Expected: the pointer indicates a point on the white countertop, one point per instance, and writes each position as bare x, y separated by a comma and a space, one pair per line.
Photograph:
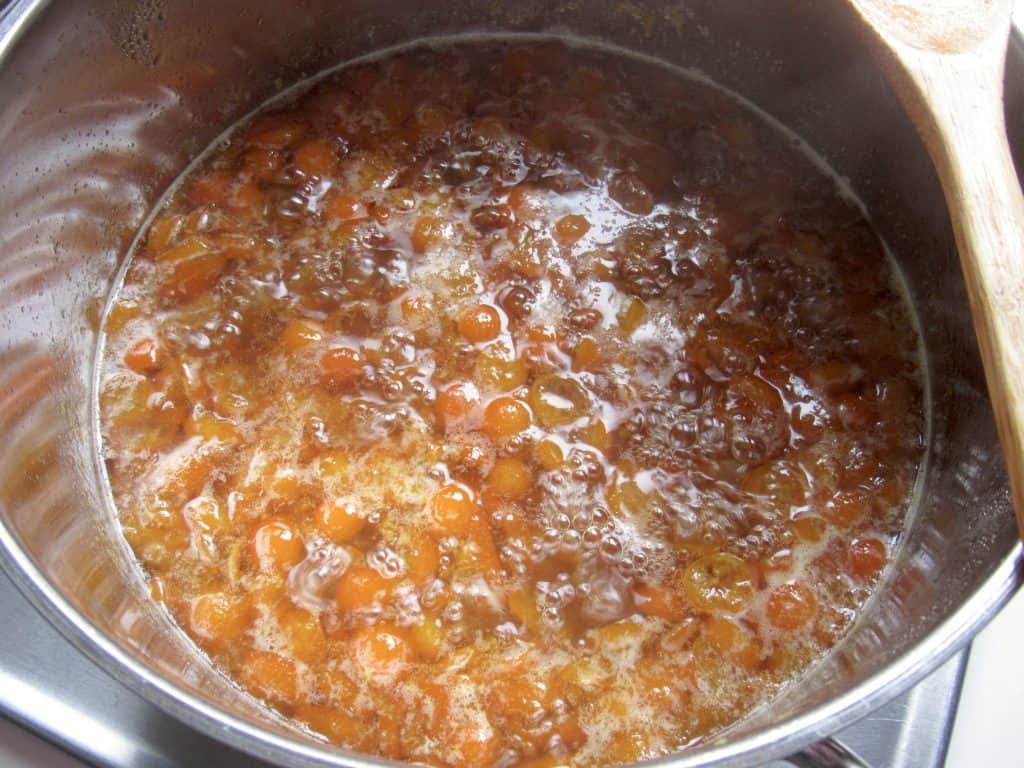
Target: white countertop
988, 729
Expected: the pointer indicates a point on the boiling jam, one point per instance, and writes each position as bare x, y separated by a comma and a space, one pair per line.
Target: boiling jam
498, 404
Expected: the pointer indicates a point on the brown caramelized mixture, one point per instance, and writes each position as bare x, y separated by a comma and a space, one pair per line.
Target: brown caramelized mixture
511, 404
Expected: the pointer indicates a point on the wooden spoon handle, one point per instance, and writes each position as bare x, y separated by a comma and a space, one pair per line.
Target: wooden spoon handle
965, 132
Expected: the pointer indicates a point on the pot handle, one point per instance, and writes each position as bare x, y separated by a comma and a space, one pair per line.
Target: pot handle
827, 753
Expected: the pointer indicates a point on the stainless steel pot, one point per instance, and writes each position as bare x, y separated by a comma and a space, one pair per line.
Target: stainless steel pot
103, 103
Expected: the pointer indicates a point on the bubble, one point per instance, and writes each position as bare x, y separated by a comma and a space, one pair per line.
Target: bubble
433, 596
454, 612
685, 432
448, 545
713, 434
611, 548
409, 610
199, 340
387, 562
311, 583
562, 522
592, 536
231, 329
686, 383
747, 449
607, 601
393, 390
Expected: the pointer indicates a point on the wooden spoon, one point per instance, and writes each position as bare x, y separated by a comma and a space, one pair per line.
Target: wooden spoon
945, 58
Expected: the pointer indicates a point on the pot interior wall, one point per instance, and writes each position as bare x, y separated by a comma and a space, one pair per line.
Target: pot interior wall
105, 103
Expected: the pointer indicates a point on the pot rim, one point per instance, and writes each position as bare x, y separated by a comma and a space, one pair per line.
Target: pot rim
782, 739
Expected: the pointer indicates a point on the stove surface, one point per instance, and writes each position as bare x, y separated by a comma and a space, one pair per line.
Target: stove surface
49, 687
